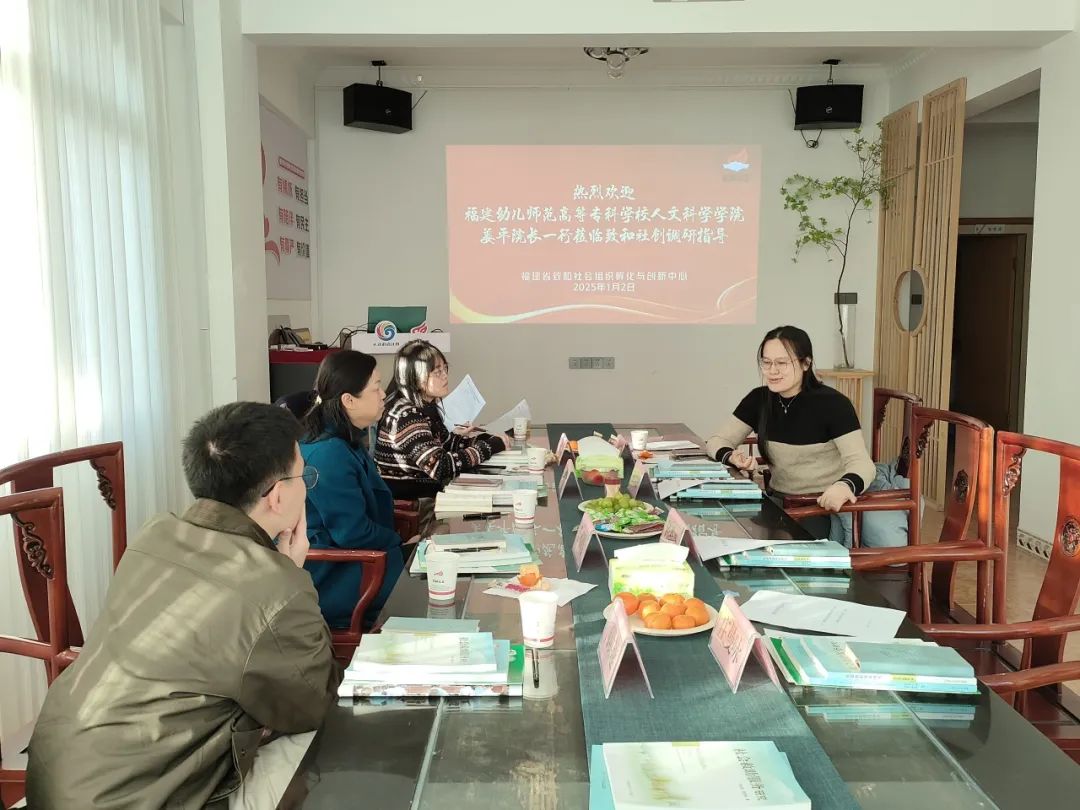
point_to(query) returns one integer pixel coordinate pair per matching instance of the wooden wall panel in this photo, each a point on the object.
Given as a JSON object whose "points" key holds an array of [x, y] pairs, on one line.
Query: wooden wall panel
{"points": [[896, 225], [936, 227]]}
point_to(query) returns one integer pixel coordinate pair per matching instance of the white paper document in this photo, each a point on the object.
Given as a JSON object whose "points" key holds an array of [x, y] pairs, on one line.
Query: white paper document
{"points": [[823, 615], [462, 405], [565, 589], [672, 445], [669, 486], [505, 423]]}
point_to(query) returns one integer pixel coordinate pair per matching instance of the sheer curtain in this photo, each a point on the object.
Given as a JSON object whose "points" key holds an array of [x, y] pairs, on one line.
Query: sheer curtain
{"points": [[89, 281]]}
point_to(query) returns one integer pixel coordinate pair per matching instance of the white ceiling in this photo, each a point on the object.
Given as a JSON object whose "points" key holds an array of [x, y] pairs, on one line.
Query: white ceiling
{"points": [[573, 57]]}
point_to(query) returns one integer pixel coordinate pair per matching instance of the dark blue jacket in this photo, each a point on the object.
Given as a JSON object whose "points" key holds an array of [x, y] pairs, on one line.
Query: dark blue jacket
{"points": [[350, 507]]}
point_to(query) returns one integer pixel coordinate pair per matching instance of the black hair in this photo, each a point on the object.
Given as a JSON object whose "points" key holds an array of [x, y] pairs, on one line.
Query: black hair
{"points": [[344, 372], [236, 452], [413, 365], [799, 347]]}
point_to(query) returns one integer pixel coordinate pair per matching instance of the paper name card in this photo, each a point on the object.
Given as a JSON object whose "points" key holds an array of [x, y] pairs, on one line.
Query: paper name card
{"points": [[562, 450], [640, 482], [731, 642], [586, 531], [676, 531], [614, 640], [569, 480]]}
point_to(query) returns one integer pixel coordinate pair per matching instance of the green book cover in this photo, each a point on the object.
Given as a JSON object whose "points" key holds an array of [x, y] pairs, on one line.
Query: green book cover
{"points": [[908, 659]]}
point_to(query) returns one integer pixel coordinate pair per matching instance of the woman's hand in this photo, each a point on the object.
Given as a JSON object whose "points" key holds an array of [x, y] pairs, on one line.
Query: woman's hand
{"points": [[741, 461], [836, 497]]}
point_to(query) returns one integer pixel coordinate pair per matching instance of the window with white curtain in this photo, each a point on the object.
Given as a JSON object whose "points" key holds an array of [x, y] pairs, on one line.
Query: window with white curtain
{"points": [[102, 315]]}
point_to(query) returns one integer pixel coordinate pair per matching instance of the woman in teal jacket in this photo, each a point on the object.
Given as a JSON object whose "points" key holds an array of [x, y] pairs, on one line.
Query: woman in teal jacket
{"points": [[350, 506]]}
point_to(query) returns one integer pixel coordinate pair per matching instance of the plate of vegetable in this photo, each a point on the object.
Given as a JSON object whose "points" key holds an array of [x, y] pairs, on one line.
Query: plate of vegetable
{"points": [[624, 518]]}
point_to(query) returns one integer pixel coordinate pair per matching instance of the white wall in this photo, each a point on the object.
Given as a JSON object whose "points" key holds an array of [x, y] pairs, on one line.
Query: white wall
{"points": [[994, 76], [287, 83], [967, 22], [999, 170], [383, 240], [228, 96], [1053, 385]]}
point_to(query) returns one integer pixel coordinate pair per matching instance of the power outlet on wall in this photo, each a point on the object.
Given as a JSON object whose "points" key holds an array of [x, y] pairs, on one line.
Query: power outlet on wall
{"points": [[589, 363]]}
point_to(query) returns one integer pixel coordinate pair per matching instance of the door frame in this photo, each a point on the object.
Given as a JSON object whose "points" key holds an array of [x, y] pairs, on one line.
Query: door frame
{"points": [[1004, 226]]}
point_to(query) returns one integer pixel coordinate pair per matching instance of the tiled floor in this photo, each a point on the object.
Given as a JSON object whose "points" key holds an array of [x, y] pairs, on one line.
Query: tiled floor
{"points": [[1024, 579]]}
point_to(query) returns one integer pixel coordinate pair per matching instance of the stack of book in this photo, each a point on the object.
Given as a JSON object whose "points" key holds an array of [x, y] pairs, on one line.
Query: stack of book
{"points": [[432, 664], [464, 500], [714, 775], [472, 559], [732, 489], [820, 554], [691, 469], [500, 488], [899, 666], [508, 459]]}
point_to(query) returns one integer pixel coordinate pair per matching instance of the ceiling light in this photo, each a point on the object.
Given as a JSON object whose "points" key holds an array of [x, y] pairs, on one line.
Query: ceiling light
{"points": [[616, 58]]}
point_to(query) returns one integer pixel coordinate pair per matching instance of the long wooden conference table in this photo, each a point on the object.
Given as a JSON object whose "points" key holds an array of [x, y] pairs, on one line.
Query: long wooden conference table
{"points": [[892, 751]]}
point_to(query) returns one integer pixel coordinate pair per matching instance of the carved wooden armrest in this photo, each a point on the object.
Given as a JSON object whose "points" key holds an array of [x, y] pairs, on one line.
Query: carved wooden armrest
{"points": [[1021, 680], [374, 565], [869, 559], [1038, 628]]}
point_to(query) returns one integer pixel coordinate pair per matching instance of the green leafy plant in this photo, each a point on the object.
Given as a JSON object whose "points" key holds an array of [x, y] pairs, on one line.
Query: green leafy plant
{"points": [[856, 193]]}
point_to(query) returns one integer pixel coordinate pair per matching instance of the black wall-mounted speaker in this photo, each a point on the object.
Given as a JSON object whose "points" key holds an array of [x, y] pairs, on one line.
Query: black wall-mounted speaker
{"points": [[375, 106], [828, 106]]}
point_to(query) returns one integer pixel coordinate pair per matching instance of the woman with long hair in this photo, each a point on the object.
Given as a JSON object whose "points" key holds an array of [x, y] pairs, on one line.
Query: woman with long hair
{"points": [[351, 506], [808, 432], [417, 455]]}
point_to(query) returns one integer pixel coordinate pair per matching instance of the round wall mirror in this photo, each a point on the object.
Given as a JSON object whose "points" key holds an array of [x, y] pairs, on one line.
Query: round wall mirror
{"points": [[910, 300]]}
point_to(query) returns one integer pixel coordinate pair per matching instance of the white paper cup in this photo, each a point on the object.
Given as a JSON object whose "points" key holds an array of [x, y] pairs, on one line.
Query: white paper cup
{"points": [[441, 576], [537, 458], [538, 618], [525, 506], [638, 439], [521, 428], [541, 679]]}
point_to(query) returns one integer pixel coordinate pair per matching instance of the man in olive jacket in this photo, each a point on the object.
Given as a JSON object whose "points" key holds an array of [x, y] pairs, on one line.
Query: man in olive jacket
{"points": [[210, 640]]}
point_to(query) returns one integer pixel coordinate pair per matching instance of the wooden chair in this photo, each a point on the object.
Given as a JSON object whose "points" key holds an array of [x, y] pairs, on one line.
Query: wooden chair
{"points": [[882, 398], [1041, 662], [969, 501], [107, 460], [39, 516], [374, 571]]}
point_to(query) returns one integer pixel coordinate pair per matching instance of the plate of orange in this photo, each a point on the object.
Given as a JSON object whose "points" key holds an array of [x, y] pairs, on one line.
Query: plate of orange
{"points": [[667, 615]]}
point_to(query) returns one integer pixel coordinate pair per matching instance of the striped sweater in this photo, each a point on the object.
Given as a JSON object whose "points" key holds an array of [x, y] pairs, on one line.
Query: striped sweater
{"points": [[417, 456], [814, 440]]}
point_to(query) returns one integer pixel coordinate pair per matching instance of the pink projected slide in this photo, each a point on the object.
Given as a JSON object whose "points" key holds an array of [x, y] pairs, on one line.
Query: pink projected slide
{"points": [[603, 234]]}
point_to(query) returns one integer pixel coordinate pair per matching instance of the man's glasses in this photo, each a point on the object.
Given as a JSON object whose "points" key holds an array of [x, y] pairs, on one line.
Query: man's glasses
{"points": [[441, 371], [310, 476]]}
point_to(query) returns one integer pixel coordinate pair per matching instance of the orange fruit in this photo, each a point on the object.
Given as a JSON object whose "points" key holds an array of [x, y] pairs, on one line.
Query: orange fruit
{"points": [[647, 597], [698, 614], [528, 580], [672, 598], [630, 602], [683, 623], [658, 621], [647, 609], [693, 600], [673, 609]]}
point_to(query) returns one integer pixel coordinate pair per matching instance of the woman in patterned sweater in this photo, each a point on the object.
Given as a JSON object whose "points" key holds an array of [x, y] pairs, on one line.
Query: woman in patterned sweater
{"points": [[415, 453]]}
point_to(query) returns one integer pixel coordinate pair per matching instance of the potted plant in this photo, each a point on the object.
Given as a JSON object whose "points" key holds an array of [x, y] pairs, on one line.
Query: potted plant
{"points": [[857, 192]]}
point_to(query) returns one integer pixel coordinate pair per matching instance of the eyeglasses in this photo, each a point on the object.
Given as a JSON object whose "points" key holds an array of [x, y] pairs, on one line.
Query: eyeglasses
{"points": [[441, 371], [779, 365], [310, 476]]}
